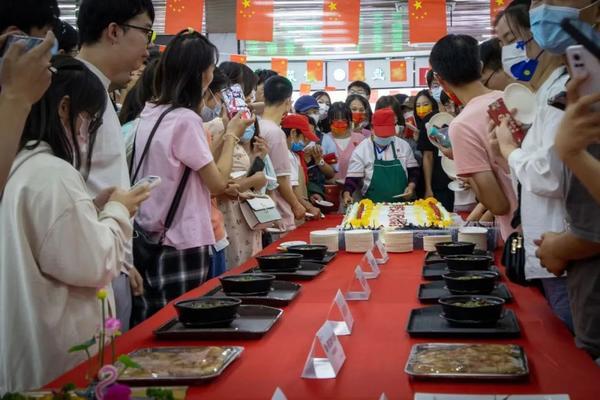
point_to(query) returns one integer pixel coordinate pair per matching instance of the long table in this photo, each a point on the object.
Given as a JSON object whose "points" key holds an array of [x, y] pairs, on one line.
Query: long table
{"points": [[379, 346]]}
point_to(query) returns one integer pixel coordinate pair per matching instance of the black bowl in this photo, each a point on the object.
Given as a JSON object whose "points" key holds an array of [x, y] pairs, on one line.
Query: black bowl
{"points": [[257, 284], [451, 248], [479, 282], [280, 262], [309, 251], [208, 311], [468, 262], [473, 308]]}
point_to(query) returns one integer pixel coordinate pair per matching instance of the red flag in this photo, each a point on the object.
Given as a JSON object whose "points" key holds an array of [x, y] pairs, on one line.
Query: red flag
{"points": [[341, 21], [254, 20], [183, 14], [496, 6], [304, 88], [280, 65], [398, 71], [423, 76], [238, 58], [314, 70], [330, 89], [356, 70], [427, 20]]}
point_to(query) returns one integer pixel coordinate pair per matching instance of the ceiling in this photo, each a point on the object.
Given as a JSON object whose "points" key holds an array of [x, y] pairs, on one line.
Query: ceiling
{"points": [[383, 25]]}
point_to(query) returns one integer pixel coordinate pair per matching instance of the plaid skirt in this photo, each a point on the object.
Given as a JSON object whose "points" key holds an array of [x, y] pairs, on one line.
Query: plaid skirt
{"points": [[175, 273]]}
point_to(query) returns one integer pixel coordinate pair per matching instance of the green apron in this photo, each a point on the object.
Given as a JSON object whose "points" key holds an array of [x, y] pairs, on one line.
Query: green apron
{"points": [[389, 179]]}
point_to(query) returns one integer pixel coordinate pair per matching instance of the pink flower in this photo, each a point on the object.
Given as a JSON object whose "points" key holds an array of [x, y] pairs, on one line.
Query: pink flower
{"points": [[112, 326]]}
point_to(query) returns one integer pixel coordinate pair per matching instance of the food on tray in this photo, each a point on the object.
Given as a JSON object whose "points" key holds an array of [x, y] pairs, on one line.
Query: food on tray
{"points": [[470, 359], [469, 277], [170, 363], [474, 303], [425, 213], [207, 304]]}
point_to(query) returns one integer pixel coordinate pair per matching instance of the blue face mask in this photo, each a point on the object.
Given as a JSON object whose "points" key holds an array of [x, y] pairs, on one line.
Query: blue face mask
{"points": [[297, 147], [547, 32], [383, 142], [436, 93], [248, 134]]}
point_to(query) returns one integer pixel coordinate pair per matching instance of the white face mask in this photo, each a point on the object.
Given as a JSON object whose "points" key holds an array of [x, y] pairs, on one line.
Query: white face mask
{"points": [[513, 54], [436, 93], [323, 110]]}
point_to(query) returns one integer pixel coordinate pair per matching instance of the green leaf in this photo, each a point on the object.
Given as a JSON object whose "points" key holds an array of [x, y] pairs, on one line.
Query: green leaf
{"points": [[128, 362], [83, 346]]}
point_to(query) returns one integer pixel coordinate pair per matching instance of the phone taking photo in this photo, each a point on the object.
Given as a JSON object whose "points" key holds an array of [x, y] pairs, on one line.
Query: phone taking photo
{"points": [[152, 181], [235, 101], [583, 63]]}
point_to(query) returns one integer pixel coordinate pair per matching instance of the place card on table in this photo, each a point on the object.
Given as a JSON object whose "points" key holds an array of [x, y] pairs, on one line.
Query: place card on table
{"points": [[363, 294], [380, 250], [343, 327], [383, 397], [369, 263], [328, 367], [279, 395]]}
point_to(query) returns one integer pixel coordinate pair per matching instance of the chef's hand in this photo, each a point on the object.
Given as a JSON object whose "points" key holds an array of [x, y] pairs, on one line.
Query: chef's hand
{"points": [[409, 192], [136, 282], [548, 258], [347, 198]]}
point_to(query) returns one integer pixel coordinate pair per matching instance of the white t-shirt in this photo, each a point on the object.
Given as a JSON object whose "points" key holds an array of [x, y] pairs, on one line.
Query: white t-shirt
{"points": [[295, 163], [343, 142], [363, 159]]}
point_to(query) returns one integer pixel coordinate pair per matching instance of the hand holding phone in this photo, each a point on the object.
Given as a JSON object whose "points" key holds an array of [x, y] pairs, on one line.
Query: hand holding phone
{"points": [[152, 182], [584, 65]]}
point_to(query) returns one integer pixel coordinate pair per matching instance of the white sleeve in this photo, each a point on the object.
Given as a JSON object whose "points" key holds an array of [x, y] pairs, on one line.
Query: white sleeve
{"points": [[541, 171], [407, 154], [85, 249], [294, 176], [357, 164]]}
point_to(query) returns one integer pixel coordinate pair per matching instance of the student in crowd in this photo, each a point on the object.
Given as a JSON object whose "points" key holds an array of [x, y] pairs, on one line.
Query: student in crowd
{"points": [[435, 179], [179, 145], [344, 137], [359, 88], [534, 163], [492, 74], [242, 75], [114, 36], [278, 101], [324, 101], [455, 60], [262, 75], [577, 249], [68, 38], [45, 207], [449, 105], [383, 167], [434, 88], [361, 114]]}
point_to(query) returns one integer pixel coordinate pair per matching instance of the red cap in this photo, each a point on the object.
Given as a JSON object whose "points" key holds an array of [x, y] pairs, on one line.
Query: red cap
{"points": [[300, 122], [384, 122]]}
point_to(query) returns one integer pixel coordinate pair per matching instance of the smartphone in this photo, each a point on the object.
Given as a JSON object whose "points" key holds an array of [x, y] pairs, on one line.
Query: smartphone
{"points": [[152, 181], [30, 43], [235, 102], [498, 109], [583, 63]]}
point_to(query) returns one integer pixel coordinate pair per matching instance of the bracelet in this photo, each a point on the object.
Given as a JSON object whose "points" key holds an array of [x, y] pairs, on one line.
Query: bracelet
{"points": [[231, 135]]}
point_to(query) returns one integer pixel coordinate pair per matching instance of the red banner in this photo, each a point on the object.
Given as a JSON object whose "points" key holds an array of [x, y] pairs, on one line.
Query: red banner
{"points": [[423, 76], [427, 20], [356, 71], [280, 65], [341, 21], [304, 88], [238, 58], [398, 71], [254, 20], [314, 70], [183, 14]]}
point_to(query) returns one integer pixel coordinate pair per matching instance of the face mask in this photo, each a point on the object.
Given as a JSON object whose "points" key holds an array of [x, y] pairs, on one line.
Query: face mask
{"points": [[383, 142], [547, 32], [208, 114], [515, 61], [436, 93], [323, 110], [358, 117], [314, 117], [339, 127], [248, 134], [423, 111], [297, 147]]}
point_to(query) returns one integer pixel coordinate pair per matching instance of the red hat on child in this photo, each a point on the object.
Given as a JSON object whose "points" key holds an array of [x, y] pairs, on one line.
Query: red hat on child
{"points": [[300, 122]]}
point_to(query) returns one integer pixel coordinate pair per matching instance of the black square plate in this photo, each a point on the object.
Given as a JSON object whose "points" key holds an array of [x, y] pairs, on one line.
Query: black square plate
{"points": [[433, 257], [431, 292], [434, 272], [329, 256], [281, 294], [308, 270]]}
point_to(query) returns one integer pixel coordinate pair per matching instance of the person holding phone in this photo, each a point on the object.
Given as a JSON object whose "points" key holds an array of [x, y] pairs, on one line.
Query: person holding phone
{"points": [[57, 242]]}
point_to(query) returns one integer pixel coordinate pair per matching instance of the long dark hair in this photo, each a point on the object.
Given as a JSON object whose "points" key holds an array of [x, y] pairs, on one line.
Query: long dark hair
{"points": [[366, 105], [140, 93], [86, 94], [324, 125], [435, 109], [178, 78]]}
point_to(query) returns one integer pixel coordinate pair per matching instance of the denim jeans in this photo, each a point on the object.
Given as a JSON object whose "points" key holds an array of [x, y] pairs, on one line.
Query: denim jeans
{"points": [[555, 291], [218, 264]]}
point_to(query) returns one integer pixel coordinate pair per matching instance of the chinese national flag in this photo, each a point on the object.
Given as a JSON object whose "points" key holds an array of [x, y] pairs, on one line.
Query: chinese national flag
{"points": [[183, 14], [356, 70], [254, 20], [496, 6], [238, 58], [398, 71], [427, 20], [280, 65], [304, 88], [423, 76], [341, 21], [314, 70]]}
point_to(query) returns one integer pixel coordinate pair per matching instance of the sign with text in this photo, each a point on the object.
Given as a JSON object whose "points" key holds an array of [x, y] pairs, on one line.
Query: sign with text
{"points": [[328, 367]]}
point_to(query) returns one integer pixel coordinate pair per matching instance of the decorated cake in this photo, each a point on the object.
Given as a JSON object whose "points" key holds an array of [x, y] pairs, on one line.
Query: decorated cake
{"points": [[420, 214]]}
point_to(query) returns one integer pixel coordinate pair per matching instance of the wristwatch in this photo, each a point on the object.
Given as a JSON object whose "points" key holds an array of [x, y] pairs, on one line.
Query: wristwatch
{"points": [[321, 163]]}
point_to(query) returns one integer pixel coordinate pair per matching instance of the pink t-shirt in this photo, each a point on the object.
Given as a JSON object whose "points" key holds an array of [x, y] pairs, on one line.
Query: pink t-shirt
{"points": [[179, 142], [278, 152], [473, 153]]}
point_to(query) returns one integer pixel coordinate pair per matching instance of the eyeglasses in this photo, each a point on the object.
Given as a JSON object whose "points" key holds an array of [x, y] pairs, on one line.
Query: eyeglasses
{"points": [[150, 34]]}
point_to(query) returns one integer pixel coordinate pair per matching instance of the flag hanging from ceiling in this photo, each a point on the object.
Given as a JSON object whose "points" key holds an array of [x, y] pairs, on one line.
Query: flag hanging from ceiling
{"points": [[254, 20], [280, 65], [183, 14], [356, 70], [398, 71], [427, 20], [341, 21], [314, 70], [496, 6], [238, 58]]}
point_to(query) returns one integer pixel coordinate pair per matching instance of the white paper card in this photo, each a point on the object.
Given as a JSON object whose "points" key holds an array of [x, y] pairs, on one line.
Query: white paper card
{"points": [[384, 257], [369, 261], [365, 293], [344, 327], [278, 395], [383, 397], [325, 368]]}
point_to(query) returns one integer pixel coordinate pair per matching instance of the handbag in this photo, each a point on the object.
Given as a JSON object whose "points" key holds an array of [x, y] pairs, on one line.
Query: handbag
{"points": [[513, 259], [260, 212]]}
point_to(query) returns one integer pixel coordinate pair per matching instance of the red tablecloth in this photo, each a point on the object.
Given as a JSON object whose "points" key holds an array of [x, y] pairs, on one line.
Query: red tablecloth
{"points": [[379, 346]]}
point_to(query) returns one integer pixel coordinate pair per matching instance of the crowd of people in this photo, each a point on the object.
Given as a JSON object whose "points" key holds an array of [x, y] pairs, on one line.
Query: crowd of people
{"points": [[84, 127]]}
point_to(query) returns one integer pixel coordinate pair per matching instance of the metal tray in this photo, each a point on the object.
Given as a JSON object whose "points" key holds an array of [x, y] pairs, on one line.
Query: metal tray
{"points": [[432, 257], [434, 272], [515, 352], [281, 294], [428, 322], [230, 353], [431, 292], [308, 270], [253, 322]]}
